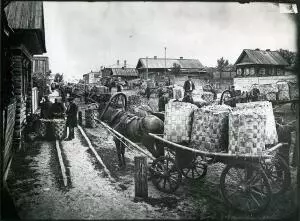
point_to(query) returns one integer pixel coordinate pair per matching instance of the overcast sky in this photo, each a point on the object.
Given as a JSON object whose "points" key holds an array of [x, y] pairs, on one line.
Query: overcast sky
{"points": [[83, 36]]}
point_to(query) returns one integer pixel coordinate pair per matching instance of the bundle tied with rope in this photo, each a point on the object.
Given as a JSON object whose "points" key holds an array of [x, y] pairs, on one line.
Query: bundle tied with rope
{"points": [[210, 128], [178, 121], [247, 132], [294, 90], [263, 108], [283, 91]]}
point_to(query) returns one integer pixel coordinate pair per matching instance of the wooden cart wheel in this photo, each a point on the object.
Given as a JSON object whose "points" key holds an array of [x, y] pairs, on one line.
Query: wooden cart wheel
{"points": [[245, 188], [165, 174], [278, 173], [197, 169]]}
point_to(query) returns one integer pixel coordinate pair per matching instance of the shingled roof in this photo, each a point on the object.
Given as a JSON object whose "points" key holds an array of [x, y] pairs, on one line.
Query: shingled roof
{"points": [[132, 72], [159, 63], [261, 57], [27, 19]]}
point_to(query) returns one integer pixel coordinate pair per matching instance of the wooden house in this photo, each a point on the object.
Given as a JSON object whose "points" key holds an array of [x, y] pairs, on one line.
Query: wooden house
{"points": [[120, 70], [222, 80], [92, 77], [24, 37], [159, 69], [260, 63]]}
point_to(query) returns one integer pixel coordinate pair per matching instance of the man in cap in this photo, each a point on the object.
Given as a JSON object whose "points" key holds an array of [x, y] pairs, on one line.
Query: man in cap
{"points": [[188, 86], [71, 117]]}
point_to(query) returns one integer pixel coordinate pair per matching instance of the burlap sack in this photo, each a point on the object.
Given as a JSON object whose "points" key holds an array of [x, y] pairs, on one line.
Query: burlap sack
{"points": [[272, 96], [294, 91], [247, 132], [178, 93], [178, 121], [267, 88], [210, 128], [134, 100], [263, 107], [283, 91]]}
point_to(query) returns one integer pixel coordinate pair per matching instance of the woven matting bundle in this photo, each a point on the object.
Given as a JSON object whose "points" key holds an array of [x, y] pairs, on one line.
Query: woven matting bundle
{"points": [[59, 126], [263, 107], [271, 96], [282, 86], [178, 121], [294, 91], [134, 100], [247, 132], [210, 128], [208, 96], [284, 95], [267, 88]]}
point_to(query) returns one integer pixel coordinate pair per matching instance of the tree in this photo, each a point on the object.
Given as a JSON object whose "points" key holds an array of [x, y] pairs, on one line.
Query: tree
{"points": [[289, 56], [58, 77], [176, 69], [221, 64], [39, 80]]}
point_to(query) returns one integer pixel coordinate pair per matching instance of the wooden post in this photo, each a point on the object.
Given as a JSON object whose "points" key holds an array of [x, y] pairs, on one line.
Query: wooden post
{"points": [[140, 177], [80, 118]]}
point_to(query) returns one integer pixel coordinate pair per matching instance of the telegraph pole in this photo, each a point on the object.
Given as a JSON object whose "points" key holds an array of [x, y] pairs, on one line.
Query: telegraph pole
{"points": [[146, 68]]}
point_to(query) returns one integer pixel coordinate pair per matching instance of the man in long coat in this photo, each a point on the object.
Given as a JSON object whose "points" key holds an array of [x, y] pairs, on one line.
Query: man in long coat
{"points": [[188, 86], [71, 117]]}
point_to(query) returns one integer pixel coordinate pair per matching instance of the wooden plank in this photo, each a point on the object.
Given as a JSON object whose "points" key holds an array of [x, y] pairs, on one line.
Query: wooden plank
{"points": [[95, 152], [61, 163], [140, 177]]}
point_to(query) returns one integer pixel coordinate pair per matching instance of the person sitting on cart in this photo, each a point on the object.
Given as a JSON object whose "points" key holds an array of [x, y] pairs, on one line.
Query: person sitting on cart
{"points": [[57, 110], [188, 98], [71, 117]]}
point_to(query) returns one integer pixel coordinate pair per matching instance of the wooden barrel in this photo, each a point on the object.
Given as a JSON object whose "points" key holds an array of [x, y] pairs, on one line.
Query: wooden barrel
{"points": [[90, 118]]}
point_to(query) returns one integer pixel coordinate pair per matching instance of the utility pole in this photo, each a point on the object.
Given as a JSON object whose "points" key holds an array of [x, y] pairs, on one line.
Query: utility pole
{"points": [[146, 68]]}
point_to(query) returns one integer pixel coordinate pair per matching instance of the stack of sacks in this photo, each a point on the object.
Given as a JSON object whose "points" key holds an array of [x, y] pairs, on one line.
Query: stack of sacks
{"points": [[208, 96], [210, 128], [283, 91], [178, 93], [294, 91], [134, 100], [178, 121], [265, 108], [247, 132]]}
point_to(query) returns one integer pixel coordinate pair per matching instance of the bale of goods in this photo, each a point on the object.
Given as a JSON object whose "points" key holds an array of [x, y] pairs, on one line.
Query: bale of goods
{"points": [[263, 107], [267, 88], [134, 100], [271, 96], [178, 121], [208, 96], [247, 132], [210, 128], [283, 91], [59, 126], [43, 127], [294, 91]]}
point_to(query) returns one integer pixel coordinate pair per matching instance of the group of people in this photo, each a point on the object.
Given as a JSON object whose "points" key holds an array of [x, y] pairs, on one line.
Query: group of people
{"points": [[58, 110]]}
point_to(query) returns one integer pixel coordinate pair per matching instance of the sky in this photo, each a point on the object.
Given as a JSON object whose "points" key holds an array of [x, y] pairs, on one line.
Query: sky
{"points": [[83, 36]]}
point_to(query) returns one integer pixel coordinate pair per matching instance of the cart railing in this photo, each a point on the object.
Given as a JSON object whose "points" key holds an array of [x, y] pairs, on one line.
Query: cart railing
{"points": [[265, 154]]}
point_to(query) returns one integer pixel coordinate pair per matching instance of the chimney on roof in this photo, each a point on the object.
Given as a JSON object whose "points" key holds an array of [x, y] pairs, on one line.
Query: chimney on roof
{"points": [[118, 62], [257, 49], [267, 49], [125, 63], [181, 57], [155, 57]]}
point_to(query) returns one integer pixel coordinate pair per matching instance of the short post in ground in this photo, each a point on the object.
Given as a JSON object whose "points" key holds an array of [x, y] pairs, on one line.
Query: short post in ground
{"points": [[140, 177], [80, 118]]}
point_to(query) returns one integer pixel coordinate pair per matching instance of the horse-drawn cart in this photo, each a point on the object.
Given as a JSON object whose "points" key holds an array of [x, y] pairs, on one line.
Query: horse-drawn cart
{"points": [[247, 182]]}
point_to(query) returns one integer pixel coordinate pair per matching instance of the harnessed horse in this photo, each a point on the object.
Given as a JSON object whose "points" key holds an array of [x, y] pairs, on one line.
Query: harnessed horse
{"points": [[131, 126]]}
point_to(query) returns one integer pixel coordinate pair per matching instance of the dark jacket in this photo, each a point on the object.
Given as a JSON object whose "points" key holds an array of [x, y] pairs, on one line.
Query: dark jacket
{"points": [[72, 115], [186, 86], [46, 109], [57, 110]]}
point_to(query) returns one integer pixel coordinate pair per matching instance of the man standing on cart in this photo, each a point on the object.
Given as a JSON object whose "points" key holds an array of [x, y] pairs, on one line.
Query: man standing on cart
{"points": [[188, 86], [71, 117]]}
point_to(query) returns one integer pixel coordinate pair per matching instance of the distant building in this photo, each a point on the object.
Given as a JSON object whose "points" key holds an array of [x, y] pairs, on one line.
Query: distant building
{"points": [[259, 63], [118, 70], [92, 77], [160, 68], [222, 80]]}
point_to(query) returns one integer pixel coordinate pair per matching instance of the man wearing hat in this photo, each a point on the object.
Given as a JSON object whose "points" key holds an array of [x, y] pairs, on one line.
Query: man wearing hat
{"points": [[71, 117], [188, 86]]}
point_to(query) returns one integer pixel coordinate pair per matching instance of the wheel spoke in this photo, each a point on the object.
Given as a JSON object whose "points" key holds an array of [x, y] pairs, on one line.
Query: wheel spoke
{"points": [[255, 200]]}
